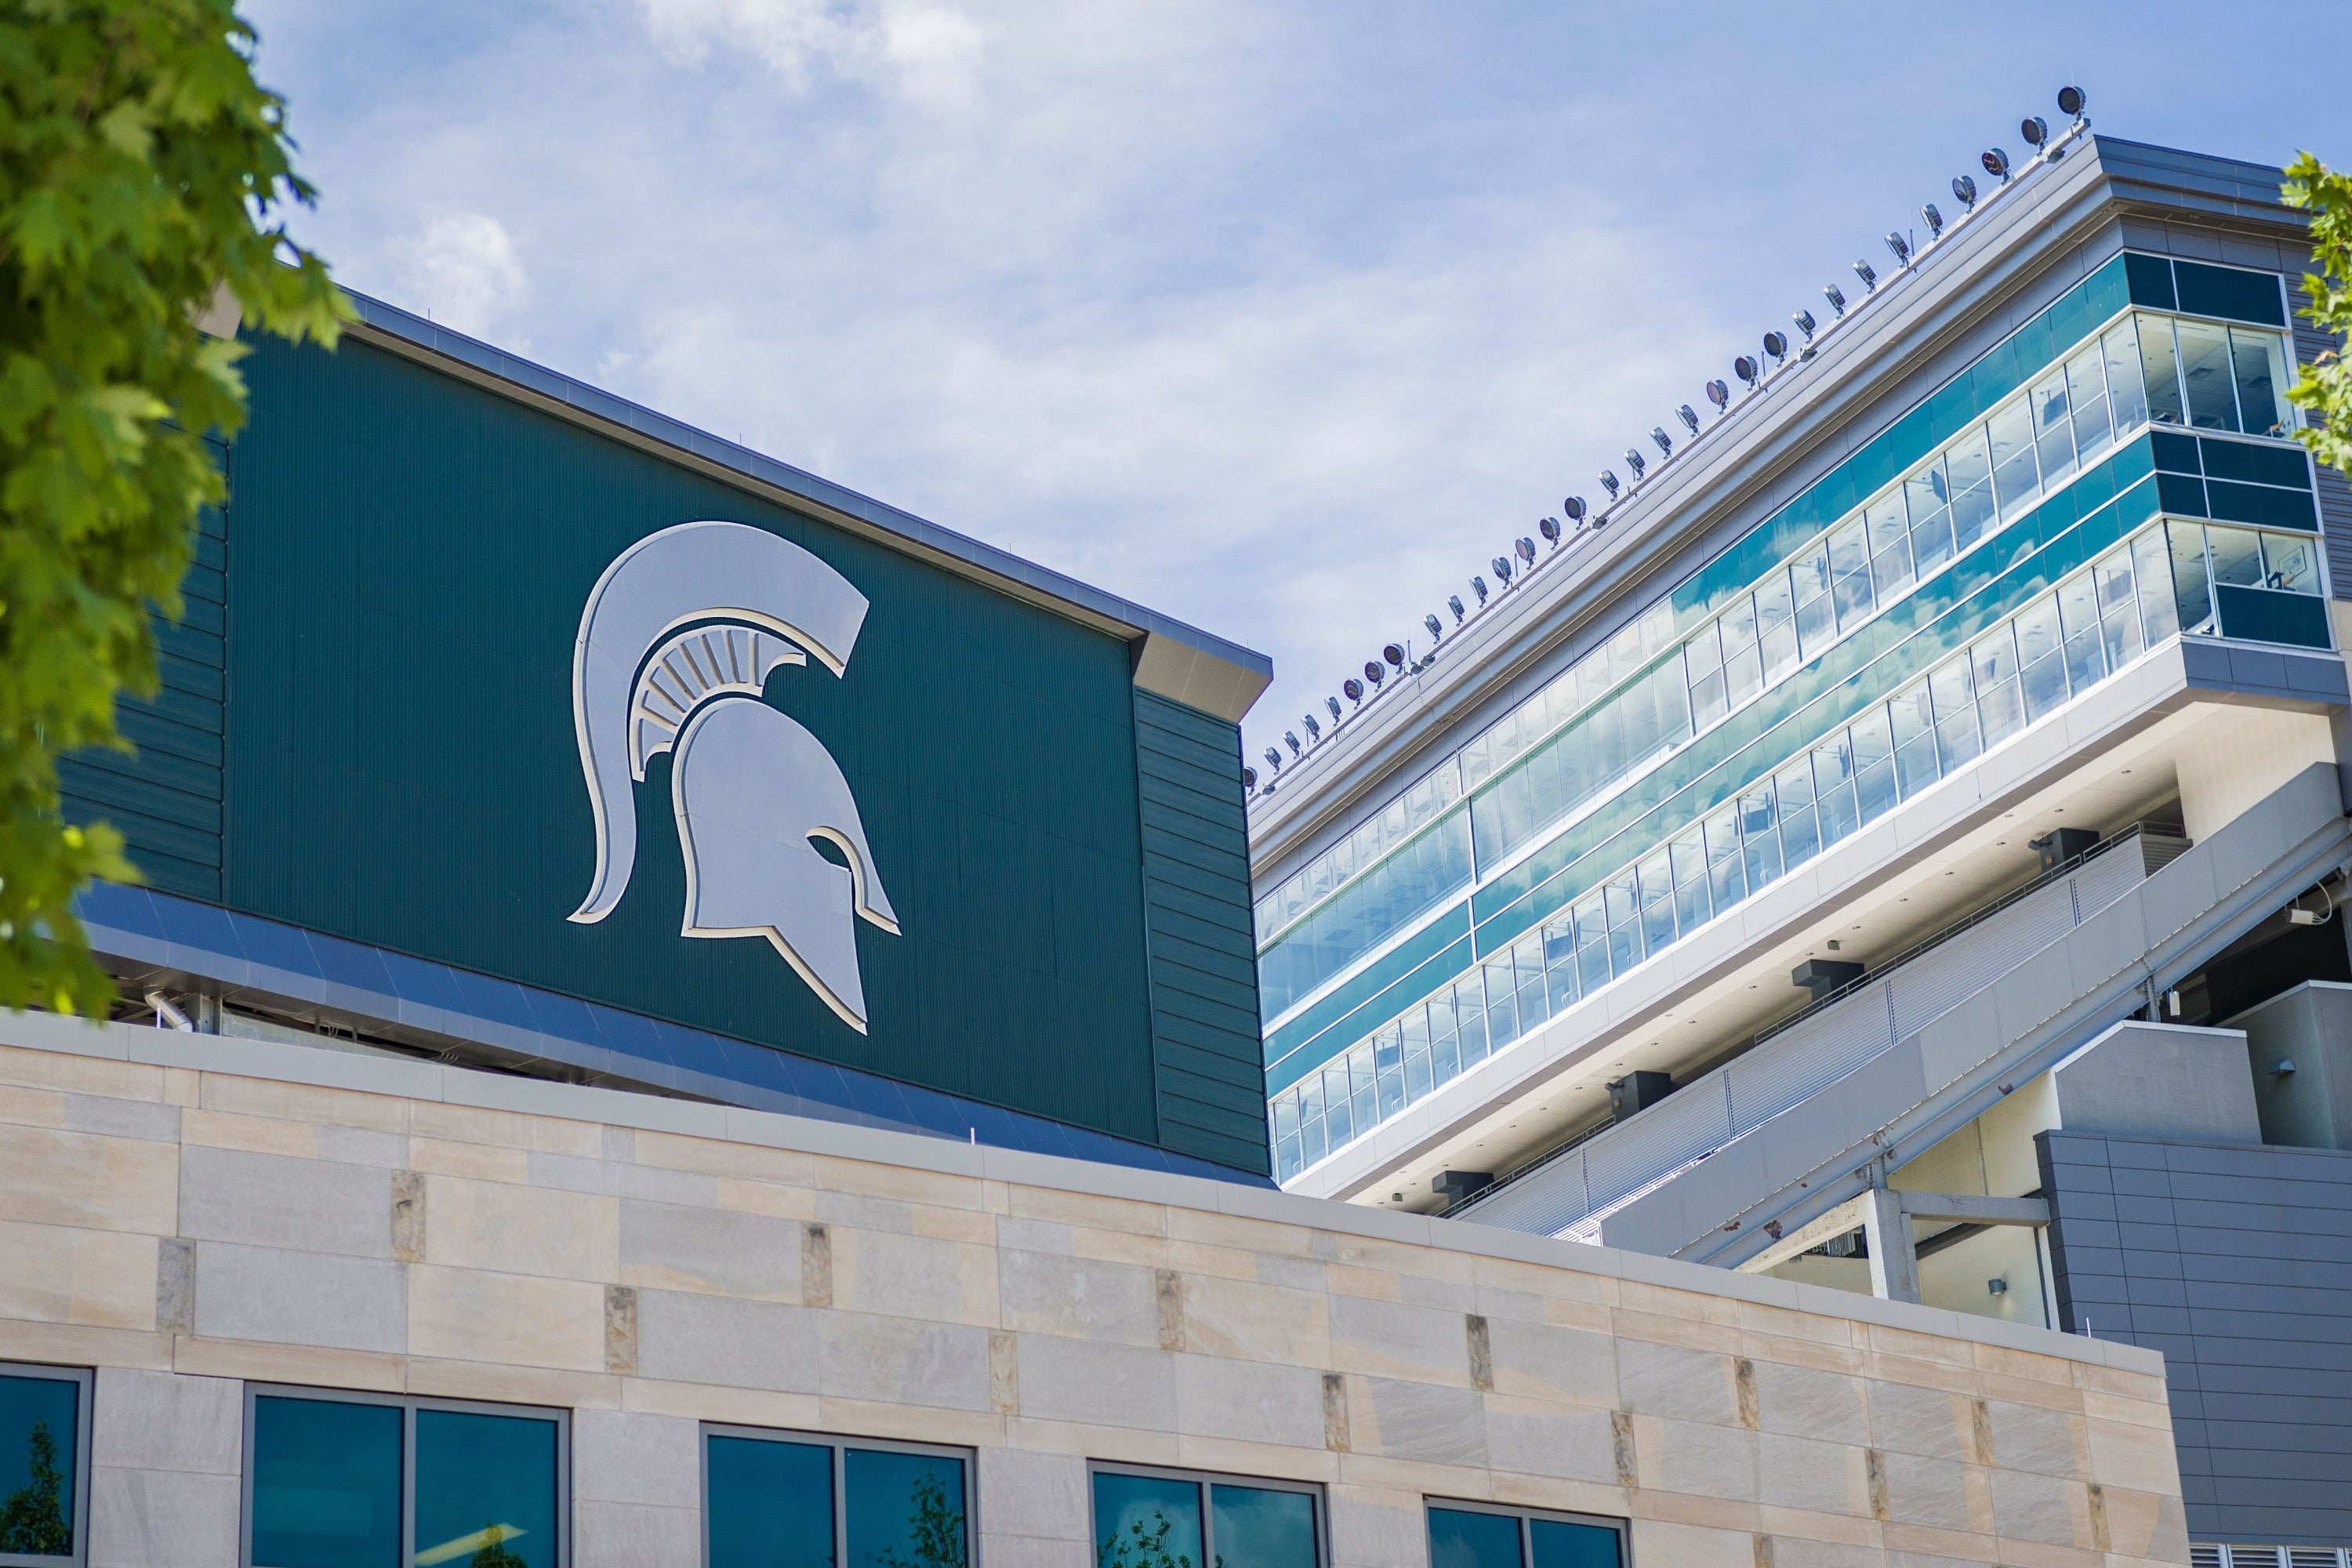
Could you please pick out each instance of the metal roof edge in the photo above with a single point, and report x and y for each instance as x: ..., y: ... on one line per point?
x: 1247, y: 672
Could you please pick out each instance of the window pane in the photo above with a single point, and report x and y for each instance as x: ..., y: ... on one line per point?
x: 903, y: 1510
x: 2190, y: 593
x: 2261, y: 364
x: 1459, y: 1540
x: 2289, y: 561
x: 326, y: 1484
x: 2237, y: 556
x: 37, y: 1448
x: 2086, y: 389
x: 1968, y: 466
x: 2205, y: 368
x: 1559, y: 1544
x: 1260, y: 1529
x: 771, y: 1503
x: 1140, y: 1520
x: 2125, y: 386
x: 2163, y: 370
x: 2015, y: 479
x: 2054, y: 427
x: 2152, y: 586
x: 485, y: 1482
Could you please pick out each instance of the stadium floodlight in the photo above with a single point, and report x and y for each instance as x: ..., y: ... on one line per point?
x: 2070, y: 102
x: 1331, y: 706
x: 1478, y: 586
x: 1249, y: 781
x: 1314, y: 730
x: 2035, y: 130
x: 1550, y: 528
x: 1453, y: 603
x: 1663, y: 442
x: 1273, y: 759
x: 1436, y: 628
x: 1609, y: 482
x: 1805, y: 323
x: 1373, y: 672
x: 1898, y: 246
x: 1777, y: 345
x: 1502, y: 567
x: 1869, y: 276
x: 1527, y: 549
x: 1934, y: 220
x: 1964, y: 190
x: 1290, y: 739
x: 1837, y: 297
x: 1719, y: 394
x: 1394, y: 655
x: 1575, y: 507
x: 1747, y: 370
x: 1354, y: 689
x: 1689, y: 418
x: 1635, y: 462
x: 1996, y: 163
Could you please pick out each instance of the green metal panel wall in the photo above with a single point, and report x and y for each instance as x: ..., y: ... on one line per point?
x: 165, y: 795
x: 1205, y: 1014
x: 412, y: 556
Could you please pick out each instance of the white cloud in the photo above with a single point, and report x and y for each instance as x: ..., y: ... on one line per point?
x: 928, y: 52
x: 463, y: 270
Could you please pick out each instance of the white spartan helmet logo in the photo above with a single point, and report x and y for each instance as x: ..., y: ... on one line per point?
x: 675, y: 643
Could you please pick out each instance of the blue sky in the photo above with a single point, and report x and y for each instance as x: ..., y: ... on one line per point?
x: 1279, y: 318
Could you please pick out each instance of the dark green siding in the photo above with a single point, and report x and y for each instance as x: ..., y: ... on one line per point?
x: 165, y: 795
x: 1204, y: 1016
x: 412, y: 555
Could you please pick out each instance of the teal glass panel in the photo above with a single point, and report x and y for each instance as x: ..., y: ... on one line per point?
x: 1146, y: 1521
x: 1458, y: 1539
x: 2151, y: 280
x: 1365, y: 913
x: 326, y: 1484
x: 2178, y: 454
x: 2229, y: 291
x: 1256, y: 1527
x: 486, y: 1491
x: 769, y: 1504
x: 1372, y: 990
x: 2258, y: 614
x: 2181, y: 494
x: 1559, y: 1544
x: 2263, y: 504
x: 38, y: 1444
x: 2256, y: 464
x: 903, y: 1510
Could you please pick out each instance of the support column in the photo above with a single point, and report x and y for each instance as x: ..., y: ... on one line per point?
x: 1894, y: 1262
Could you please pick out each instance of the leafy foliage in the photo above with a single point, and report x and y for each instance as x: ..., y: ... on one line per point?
x: 1143, y: 1547
x: 143, y: 177
x: 935, y: 1530
x: 33, y: 1518
x: 493, y: 1553
x: 2324, y: 390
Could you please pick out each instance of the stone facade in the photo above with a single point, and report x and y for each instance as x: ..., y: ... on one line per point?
x: 185, y: 1212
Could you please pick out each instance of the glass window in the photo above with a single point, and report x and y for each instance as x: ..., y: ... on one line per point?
x: 1999, y: 714
x: 1759, y: 837
x: 2014, y: 479
x: 2126, y: 391
x: 1776, y: 631
x: 2162, y: 368
x: 1927, y: 499
x: 2259, y: 360
x: 1967, y: 467
x: 43, y: 1460
x: 2054, y: 426
x: 1953, y: 695
x: 1890, y: 548
x: 2205, y: 373
x: 1913, y: 718
x: 1145, y: 1520
x: 790, y: 1500
x: 2290, y: 562
x: 1816, y: 619
x: 1850, y: 572
x: 2237, y: 556
x: 1477, y: 1535
x: 2086, y: 390
x: 327, y: 1476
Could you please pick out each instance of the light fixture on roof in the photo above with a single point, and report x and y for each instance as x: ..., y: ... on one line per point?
x: 1453, y: 603
x: 1663, y: 442
x: 2070, y: 102
x: 1394, y: 655
x: 1575, y: 507
x: 1249, y: 781
x: 1964, y: 190
x: 1527, y: 549
x: 1550, y: 528
x: 1290, y: 739
x: 1478, y: 586
x: 1996, y: 163
x: 1331, y: 706
x: 1354, y: 689
x: 1718, y: 395
x: 1273, y: 759
x: 1934, y: 220
x: 1898, y: 246
x: 1374, y: 673
x: 1609, y: 482
x: 1869, y: 276
x: 1436, y: 628
x: 1689, y: 419
x: 1635, y: 462
x: 1835, y: 296
x: 2035, y: 130
x: 1314, y: 730
x: 1502, y: 565
x: 1805, y: 323
x: 1777, y: 345
x: 1747, y: 370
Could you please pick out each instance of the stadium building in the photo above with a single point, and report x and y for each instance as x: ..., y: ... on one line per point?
x: 1894, y: 839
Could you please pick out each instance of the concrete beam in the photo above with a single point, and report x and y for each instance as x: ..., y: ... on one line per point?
x: 1893, y: 1259
x: 1972, y: 1209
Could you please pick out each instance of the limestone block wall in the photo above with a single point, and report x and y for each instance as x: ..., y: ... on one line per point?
x: 183, y: 1213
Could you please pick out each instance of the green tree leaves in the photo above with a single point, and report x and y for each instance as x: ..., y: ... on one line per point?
x: 33, y: 1517
x: 144, y: 174
x: 2324, y: 390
